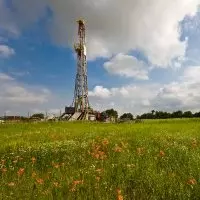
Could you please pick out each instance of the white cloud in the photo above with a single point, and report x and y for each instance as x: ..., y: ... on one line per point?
x: 183, y: 94
x: 20, y: 97
x: 100, y: 92
x: 6, y: 51
x: 4, y: 77
x: 113, y: 26
x: 137, y: 98
x: 128, y: 66
x: 116, y: 26
x: 129, y: 98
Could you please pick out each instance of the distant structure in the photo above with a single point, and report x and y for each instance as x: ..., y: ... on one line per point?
x: 80, y: 109
x: 81, y: 102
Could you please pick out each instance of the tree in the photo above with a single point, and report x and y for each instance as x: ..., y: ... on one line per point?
x: 197, y: 114
x: 187, y: 114
x: 127, y: 116
x: 177, y: 114
x: 111, y: 113
x: 38, y: 115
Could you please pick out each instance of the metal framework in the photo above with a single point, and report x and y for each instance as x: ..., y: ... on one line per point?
x: 80, y: 101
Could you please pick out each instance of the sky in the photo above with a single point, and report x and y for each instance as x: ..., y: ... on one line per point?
x: 142, y: 55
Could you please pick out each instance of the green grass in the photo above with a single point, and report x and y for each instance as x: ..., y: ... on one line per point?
x: 151, y: 160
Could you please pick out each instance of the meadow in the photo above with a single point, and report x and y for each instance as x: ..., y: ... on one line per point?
x: 151, y: 160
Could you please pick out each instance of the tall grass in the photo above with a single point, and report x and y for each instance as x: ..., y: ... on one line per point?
x: 151, y: 160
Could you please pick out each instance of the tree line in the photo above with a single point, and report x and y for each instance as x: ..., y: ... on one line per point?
x: 166, y: 115
x: 153, y: 115
x: 111, y: 113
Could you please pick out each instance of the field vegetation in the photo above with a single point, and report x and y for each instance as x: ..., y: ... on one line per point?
x: 150, y: 160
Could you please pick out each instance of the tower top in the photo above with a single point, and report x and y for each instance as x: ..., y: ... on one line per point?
x: 81, y: 22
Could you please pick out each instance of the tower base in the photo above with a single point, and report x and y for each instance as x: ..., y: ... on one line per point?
x: 71, y: 115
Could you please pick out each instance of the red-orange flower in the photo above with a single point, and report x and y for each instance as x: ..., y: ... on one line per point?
x: 20, y: 172
x: 162, y: 153
x: 4, y: 170
x: 75, y: 183
x: 192, y: 181
x: 78, y: 182
x: 105, y: 142
x: 119, y: 195
x: 40, y: 181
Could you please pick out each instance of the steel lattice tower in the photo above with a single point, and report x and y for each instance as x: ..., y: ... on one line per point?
x: 81, y: 102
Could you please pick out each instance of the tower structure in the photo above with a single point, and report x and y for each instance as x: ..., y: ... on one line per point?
x: 80, y: 101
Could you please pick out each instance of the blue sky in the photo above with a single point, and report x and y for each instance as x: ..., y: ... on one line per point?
x: 129, y: 69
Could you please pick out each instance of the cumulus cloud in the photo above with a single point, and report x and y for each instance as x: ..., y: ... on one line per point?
x: 151, y: 26
x: 183, y: 94
x: 20, y: 97
x: 113, y: 26
x: 137, y: 98
x: 4, y: 77
x: 100, y: 92
x: 128, y: 66
x: 129, y: 98
x: 6, y: 51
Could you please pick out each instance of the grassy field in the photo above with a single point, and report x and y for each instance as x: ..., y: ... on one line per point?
x: 151, y: 160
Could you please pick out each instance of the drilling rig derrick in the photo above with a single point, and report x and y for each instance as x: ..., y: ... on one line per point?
x: 80, y: 106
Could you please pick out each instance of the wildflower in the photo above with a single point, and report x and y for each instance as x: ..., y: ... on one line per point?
x: 4, y: 170
x: 192, y: 181
x: 33, y: 174
x: 20, y: 172
x: 75, y: 183
x: 118, y: 149
x: 15, y: 161
x: 140, y: 151
x: 194, y: 143
x: 99, y: 170
x: 56, y: 184
x: 40, y: 181
x: 130, y: 165
x: 96, y: 156
x: 119, y: 195
x: 78, y: 182
x: 33, y: 159
x: 11, y: 184
x: 3, y: 162
x: 105, y: 142
x: 162, y: 153
x: 56, y: 166
x: 98, y: 178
